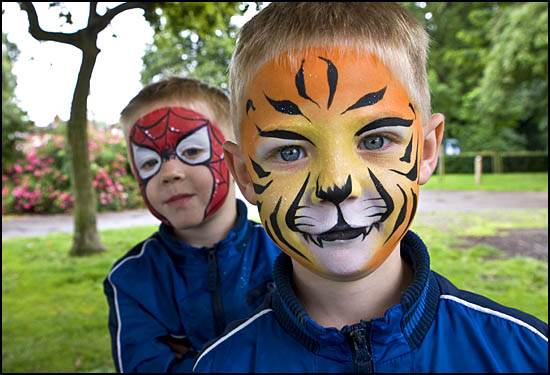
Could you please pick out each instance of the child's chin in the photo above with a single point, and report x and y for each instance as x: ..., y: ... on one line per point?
x: 344, y: 260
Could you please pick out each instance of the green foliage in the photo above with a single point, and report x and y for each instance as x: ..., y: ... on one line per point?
x: 14, y: 120
x: 488, y: 72
x: 39, y: 182
x: 490, y: 182
x: 191, y: 39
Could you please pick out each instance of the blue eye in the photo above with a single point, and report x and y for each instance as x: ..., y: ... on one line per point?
x: 373, y: 143
x: 290, y: 153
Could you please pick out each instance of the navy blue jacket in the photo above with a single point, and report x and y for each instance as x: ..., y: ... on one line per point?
x: 435, y: 328
x: 164, y: 290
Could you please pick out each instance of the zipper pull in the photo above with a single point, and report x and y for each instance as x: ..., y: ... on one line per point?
x: 361, y: 353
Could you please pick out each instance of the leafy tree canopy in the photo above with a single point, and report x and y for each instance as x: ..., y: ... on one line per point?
x: 488, y: 71
x: 198, y: 44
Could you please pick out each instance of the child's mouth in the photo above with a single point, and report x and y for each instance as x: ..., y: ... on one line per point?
x: 340, y: 234
x: 178, y: 199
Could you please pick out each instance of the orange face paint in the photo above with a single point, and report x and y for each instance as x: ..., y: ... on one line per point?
x: 333, y: 146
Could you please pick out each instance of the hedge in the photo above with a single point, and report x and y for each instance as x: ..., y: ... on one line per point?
x: 498, y: 162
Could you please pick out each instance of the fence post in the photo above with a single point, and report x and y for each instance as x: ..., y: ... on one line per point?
x: 478, y: 166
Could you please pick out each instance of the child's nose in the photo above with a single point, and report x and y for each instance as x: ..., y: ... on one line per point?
x: 172, y: 170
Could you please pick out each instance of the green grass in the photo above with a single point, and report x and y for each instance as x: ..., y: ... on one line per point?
x: 54, y: 312
x: 518, y: 282
x: 490, y: 182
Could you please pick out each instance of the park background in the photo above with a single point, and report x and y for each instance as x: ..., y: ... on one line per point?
x: 488, y: 72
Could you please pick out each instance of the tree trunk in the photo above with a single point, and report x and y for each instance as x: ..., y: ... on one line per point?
x: 85, y: 237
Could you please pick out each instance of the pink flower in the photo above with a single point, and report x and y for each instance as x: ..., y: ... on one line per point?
x: 37, y: 173
x: 5, y: 191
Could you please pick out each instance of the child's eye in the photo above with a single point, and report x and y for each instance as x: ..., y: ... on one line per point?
x: 374, y: 142
x: 291, y: 153
x: 191, y: 152
x: 148, y: 165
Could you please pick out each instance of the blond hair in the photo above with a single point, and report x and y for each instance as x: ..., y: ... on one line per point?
x: 177, y: 91
x: 384, y: 29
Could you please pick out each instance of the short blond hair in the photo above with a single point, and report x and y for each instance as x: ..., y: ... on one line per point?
x: 173, y: 90
x: 384, y: 29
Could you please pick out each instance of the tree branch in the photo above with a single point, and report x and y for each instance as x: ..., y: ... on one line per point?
x: 93, y: 13
x: 104, y: 20
x: 36, y: 31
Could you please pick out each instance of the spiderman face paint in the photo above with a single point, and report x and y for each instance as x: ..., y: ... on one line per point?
x: 178, y: 158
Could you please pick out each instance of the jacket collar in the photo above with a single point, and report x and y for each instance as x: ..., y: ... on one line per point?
x: 410, y: 319
x: 237, y: 236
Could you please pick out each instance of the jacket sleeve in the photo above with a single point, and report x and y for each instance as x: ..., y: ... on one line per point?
x: 135, y: 337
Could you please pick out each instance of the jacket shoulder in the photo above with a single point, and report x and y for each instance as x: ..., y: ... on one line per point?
x: 236, y: 335
x: 139, y: 251
x: 472, y: 301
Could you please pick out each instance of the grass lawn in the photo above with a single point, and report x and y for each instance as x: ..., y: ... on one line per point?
x: 54, y: 313
x: 490, y: 182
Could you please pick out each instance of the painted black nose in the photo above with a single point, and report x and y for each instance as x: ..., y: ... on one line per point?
x: 334, y: 194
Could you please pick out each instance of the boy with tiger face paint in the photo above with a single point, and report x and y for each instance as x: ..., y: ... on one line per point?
x: 331, y: 109
x: 333, y: 151
x: 203, y: 268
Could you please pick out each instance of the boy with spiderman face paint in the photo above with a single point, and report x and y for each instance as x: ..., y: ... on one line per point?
x: 335, y: 136
x: 207, y: 265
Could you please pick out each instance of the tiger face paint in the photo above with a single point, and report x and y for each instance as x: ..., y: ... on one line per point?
x: 333, y: 150
x: 178, y: 158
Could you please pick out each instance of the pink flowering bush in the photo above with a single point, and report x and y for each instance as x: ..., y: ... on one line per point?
x: 40, y: 182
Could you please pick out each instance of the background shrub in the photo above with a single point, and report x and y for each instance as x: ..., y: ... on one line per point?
x: 40, y: 183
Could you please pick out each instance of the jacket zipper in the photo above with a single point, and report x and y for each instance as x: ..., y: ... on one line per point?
x: 215, y: 289
x: 360, y: 348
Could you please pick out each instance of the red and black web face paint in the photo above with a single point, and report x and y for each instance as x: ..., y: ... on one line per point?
x: 177, y: 133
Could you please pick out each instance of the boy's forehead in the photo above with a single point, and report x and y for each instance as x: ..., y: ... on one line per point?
x: 324, y: 82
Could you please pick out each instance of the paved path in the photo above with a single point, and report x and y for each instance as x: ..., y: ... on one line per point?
x: 430, y: 200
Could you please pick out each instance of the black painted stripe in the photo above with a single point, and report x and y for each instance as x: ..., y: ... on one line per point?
x: 283, y: 134
x: 413, y: 173
x: 332, y: 78
x: 290, y: 217
x: 286, y: 107
x: 384, y: 194
x: 277, y: 230
x: 401, y: 216
x: 249, y: 104
x: 367, y: 100
x: 301, y: 86
x: 407, y: 156
x: 258, y: 169
x: 259, y: 189
x: 383, y: 122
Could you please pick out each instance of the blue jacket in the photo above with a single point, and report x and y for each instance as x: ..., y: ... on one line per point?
x: 164, y: 290
x: 435, y: 328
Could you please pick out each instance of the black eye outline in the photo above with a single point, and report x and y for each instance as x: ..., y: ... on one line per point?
x: 300, y: 153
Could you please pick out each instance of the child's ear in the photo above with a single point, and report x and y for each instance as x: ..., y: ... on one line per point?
x: 433, y: 134
x: 235, y: 161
